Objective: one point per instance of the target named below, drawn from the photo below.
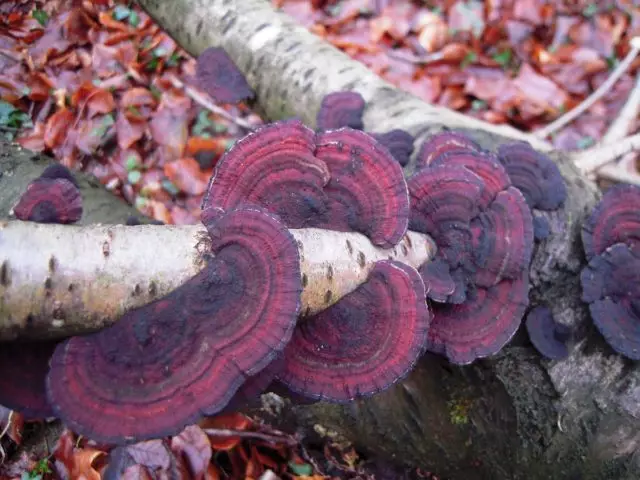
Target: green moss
(459, 411)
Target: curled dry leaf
(194, 445)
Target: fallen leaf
(185, 173)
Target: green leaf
(152, 65)
(141, 202)
(173, 59)
(585, 142)
(134, 110)
(132, 162)
(134, 176)
(301, 469)
(468, 59)
(170, 187)
(134, 19)
(6, 109)
(590, 10)
(41, 16)
(121, 12)
(159, 52)
(478, 104)
(503, 58)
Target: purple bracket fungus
(341, 109)
(340, 180)
(441, 143)
(53, 197)
(218, 75)
(438, 282)
(24, 368)
(616, 219)
(611, 287)
(364, 343)
(398, 142)
(547, 336)
(534, 174)
(163, 365)
(482, 325)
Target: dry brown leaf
(194, 445)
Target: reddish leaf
(57, 126)
(185, 173)
(128, 132)
(151, 453)
(194, 444)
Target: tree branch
(61, 280)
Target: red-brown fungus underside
(482, 325)
(367, 191)
(51, 198)
(534, 174)
(340, 180)
(365, 342)
(611, 287)
(219, 76)
(442, 143)
(616, 219)
(164, 364)
(24, 368)
(273, 168)
(502, 239)
(341, 109)
(398, 142)
(548, 336)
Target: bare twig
(223, 432)
(618, 174)
(591, 159)
(609, 148)
(417, 60)
(595, 96)
(204, 102)
(10, 55)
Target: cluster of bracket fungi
(227, 333)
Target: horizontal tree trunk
(62, 280)
(512, 416)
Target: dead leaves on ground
(95, 78)
(196, 453)
(523, 62)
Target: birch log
(62, 280)
(523, 417)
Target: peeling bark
(61, 280)
(525, 417)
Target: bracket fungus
(616, 219)
(441, 143)
(482, 325)
(364, 343)
(340, 180)
(547, 336)
(611, 287)
(164, 364)
(24, 368)
(398, 142)
(463, 197)
(218, 75)
(341, 109)
(53, 197)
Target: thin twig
(204, 102)
(9, 55)
(269, 475)
(223, 432)
(414, 59)
(595, 96)
(608, 149)
(591, 159)
(618, 174)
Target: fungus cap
(548, 336)
(437, 279)
(611, 287)
(364, 343)
(441, 143)
(482, 325)
(341, 109)
(53, 197)
(164, 364)
(24, 368)
(367, 191)
(534, 174)
(218, 75)
(273, 168)
(398, 142)
(616, 219)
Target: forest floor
(101, 88)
